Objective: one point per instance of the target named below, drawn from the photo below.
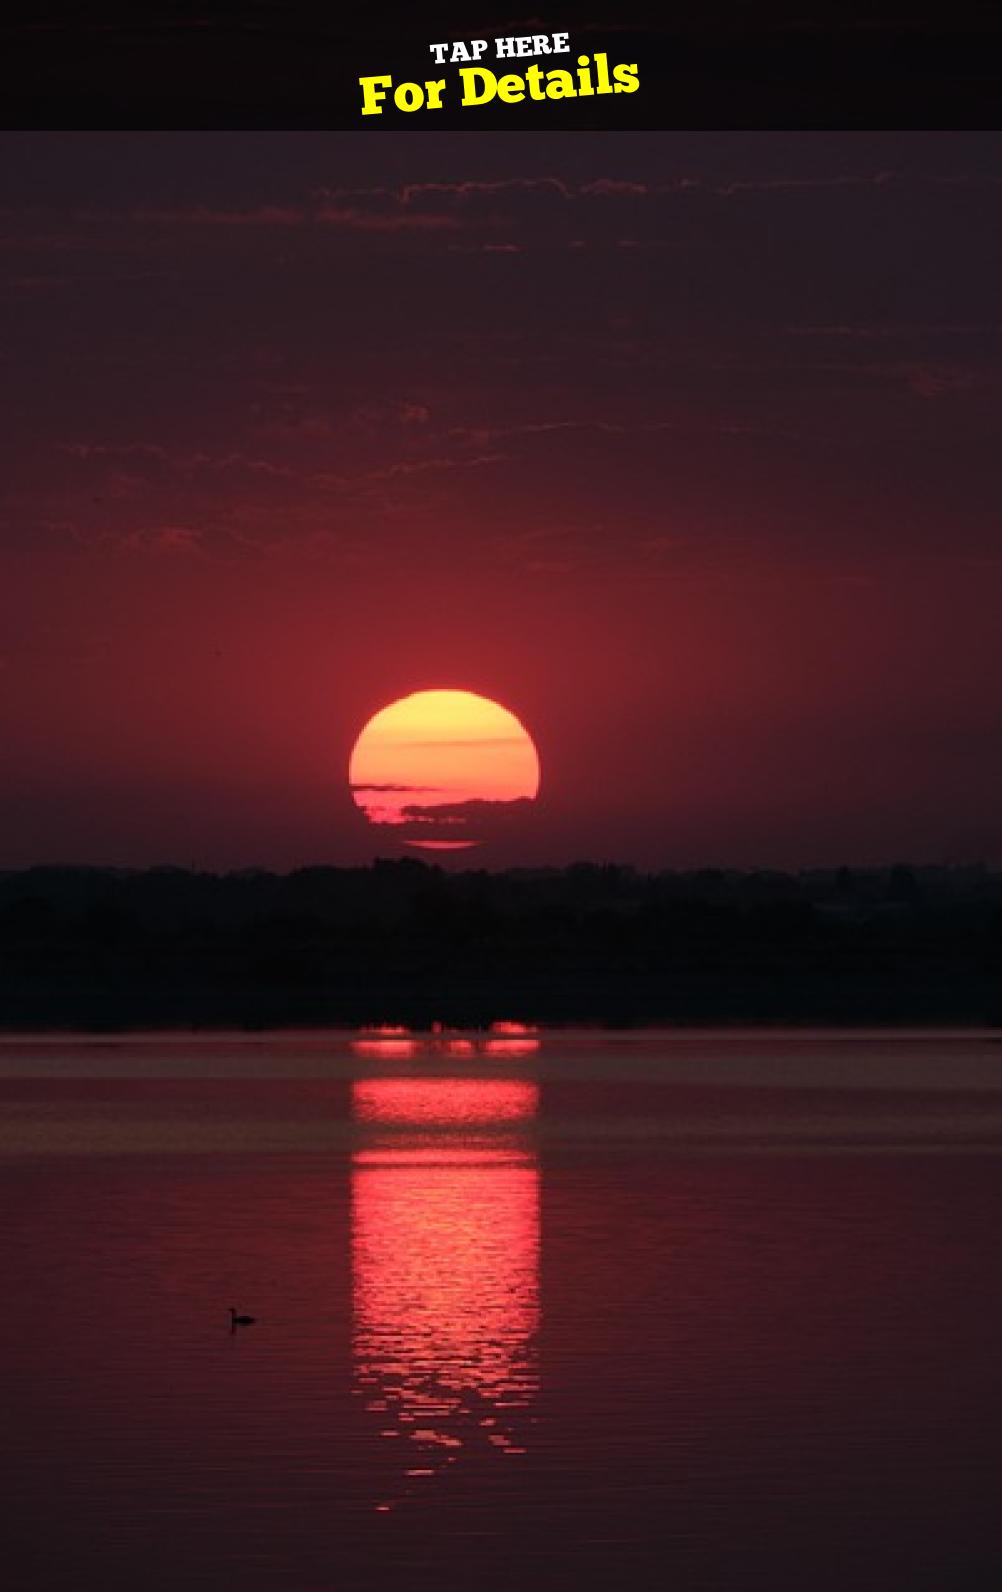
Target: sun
(444, 770)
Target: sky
(682, 447)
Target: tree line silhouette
(405, 941)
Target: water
(653, 1311)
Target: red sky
(683, 447)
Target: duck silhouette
(238, 1320)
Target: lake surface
(574, 1310)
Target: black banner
(272, 63)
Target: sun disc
(444, 770)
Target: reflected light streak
(389, 1043)
(511, 1039)
(385, 1049)
(390, 1154)
(443, 1102)
(445, 1269)
(510, 1047)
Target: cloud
(395, 787)
(375, 221)
(553, 186)
(391, 217)
(470, 204)
(483, 436)
(772, 185)
(170, 539)
(405, 467)
(204, 216)
(901, 329)
(114, 450)
(476, 814)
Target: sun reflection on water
(391, 1043)
(445, 1262)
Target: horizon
(438, 862)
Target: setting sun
(444, 769)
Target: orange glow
(444, 845)
(443, 769)
(445, 1267)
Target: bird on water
(238, 1320)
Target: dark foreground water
(681, 1312)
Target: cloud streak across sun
(468, 753)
